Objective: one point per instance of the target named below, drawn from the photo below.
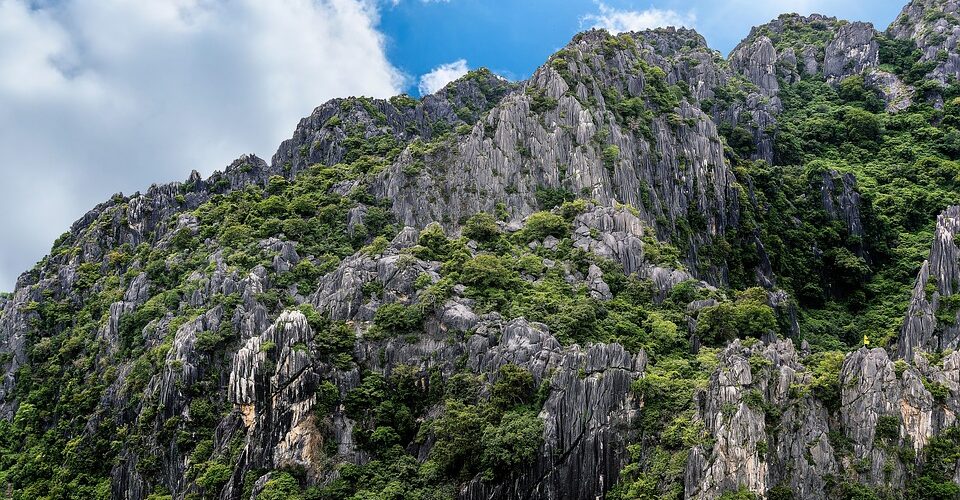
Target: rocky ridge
(583, 124)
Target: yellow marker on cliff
(866, 341)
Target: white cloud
(442, 75)
(101, 96)
(397, 2)
(618, 21)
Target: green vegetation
(610, 155)
(796, 33)
(849, 284)
(470, 437)
(539, 100)
(63, 443)
(936, 477)
(748, 316)
(395, 319)
(888, 428)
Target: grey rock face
(14, 328)
(924, 328)
(325, 136)
(757, 61)
(518, 147)
(589, 414)
(853, 50)
(869, 389)
(831, 48)
(611, 233)
(804, 457)
(766, 434)
(737, 428)
(140, 218)
(935, 27)
(341, 294)
(810, 64)
(897, 96)
(749, 452)
(841, 200)
(272, 383)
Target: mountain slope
(646, 272)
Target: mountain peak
(645, 272)
(934, 27)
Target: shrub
(754, 400)
(936, 481)
(939, 391)
(747, 317)
(457, 448)
(947, 310)
(780, 492)
(826, 377)
(481, 227)
(888, 428)
(853, 89)
(433, 244)
(463, 387)
(632, 110)
(542, 224)
(214, 476)
(487, 272)
(382, 439)
(740, 494)
(758, 363)
(513, 442)
(548, 198)
(208, 340)
(610, 155)
(280, 486)
(395, 319)
(684, 432)
(762, 448)
(739, 139)
(377, 246)
(236, 236)
(327, 398)
(514, 386)
(900, 366)
(540, 101)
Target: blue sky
(106, 96)
(514, 37)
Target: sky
(105, 96)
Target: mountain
(648, 271)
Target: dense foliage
(41, 455)
(904, 164)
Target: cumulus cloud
(101, 96)
(442, 75)
(618, 21)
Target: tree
(280, 486)
(481, 227)
(457, 450)
(542, 224)
(513, 387)
(513, 442)
(395, 319)
(747, 317)
(434, 244)
(487, 272)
